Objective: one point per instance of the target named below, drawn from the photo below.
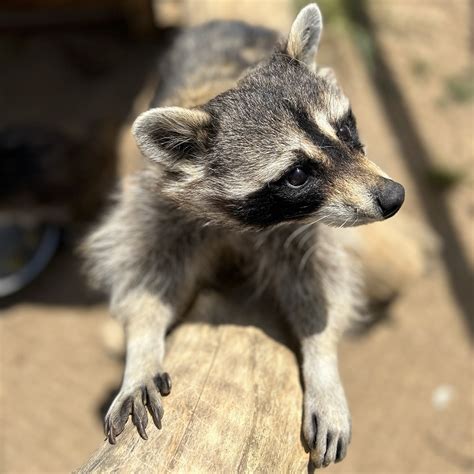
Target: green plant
(460, 88)
(444, 178)
(420, 68)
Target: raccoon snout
(389, 197)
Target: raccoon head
(281, 146)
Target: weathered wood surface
(236, 400)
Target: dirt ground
(409, 379)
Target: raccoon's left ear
(305, 34)
(171, 132)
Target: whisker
(306, 256)
(344, 223)
(309, 232)
(295, 234)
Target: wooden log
(236, 401)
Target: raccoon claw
(135, 402)
(327, 445)
(114, 425)
(163, 382)
(327, 430)
(112, 430)
(140, 417)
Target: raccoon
(251, 150)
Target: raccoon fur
(252, 151)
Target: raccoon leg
(146, 319)
(326, 417)
(318, 304)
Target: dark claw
(155, 409)
(142, 432)
(138, 404)
(318, 463)
(140, 428)
(111, 433)
(140, 419)
(327, 461)
(163, 382)
(341, 451)
(155, 416)
(315, 424)
(329, 438)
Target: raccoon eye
(345, 133)
(297, 177)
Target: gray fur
(216, 185)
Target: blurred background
(73, 77)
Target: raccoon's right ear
(305, 34)
(171, 132)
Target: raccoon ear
(176, 131)
(328, 74)
(305, 33)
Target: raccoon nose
(390, 197)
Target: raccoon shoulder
(136, 237)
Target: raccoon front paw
(326, 428)
(135, 401)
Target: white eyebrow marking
(325, 127)
(337, 108)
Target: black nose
(390, 197)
